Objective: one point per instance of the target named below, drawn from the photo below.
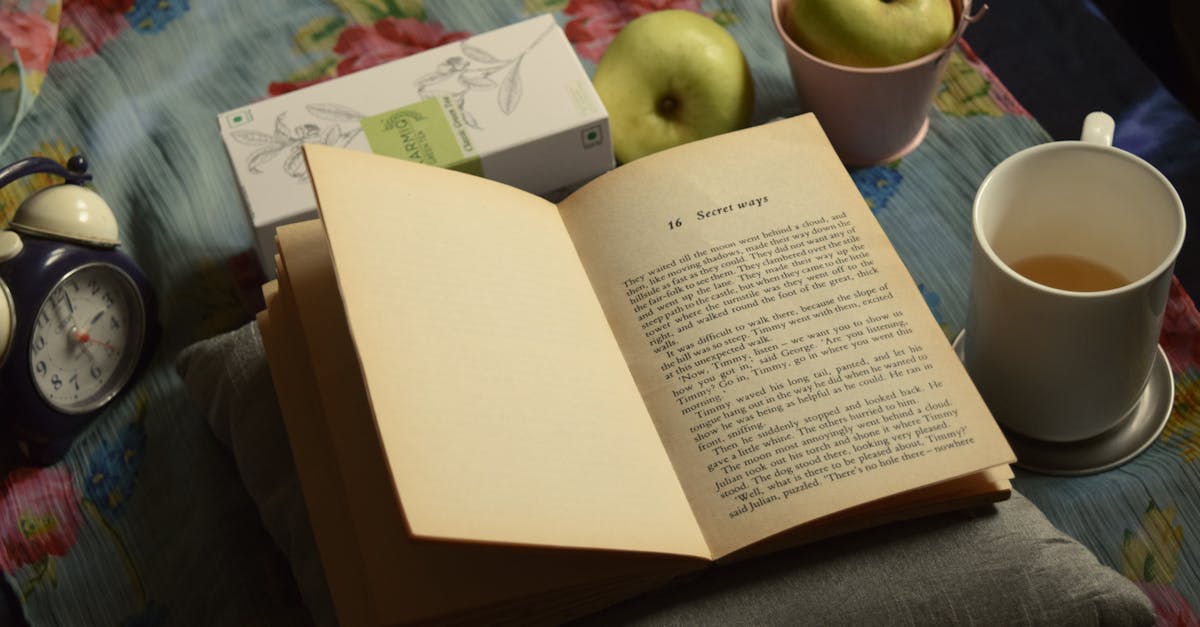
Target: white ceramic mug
(1060, 365)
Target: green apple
(871, 33)
(671, 77)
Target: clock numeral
(41, 368)
(96, 372)
(38, 344)
(56, 381)
(93, 286)
(61, 296)
(114, 323)
(74, 380)
(108, 299)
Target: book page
(789, 362)
(504, 406)
(377, 573)
(326, 496)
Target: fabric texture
(1009, 566)
(1005, 565)
(228, 378)
(29, 31)
(148, 519)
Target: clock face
(87, 336)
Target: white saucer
(1135, 433)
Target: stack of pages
(506, 409)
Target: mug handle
(1098, 128)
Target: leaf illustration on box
(334, 112)
(457, 77)
(287, 140)
(479, 54)
(510, 90)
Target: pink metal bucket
(871, 115)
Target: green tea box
(513, 104)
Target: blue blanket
(146, 520)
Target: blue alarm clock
(78, 318)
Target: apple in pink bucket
(876, 111)
(871, 33)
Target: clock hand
(82, 337)
(86, 338)
(65, 319)
(58, 302)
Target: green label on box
(431, 131)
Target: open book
(504, 408)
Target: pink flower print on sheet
(39, 516)
(1180, 334)
(594, 23)
(366, 45)
(31, 35)
(1180, 338)
(1170, 606)
(391, 38)
(86, 25)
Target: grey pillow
(1004, 565)
(1001, 565)
(228, 377)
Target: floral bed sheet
(146, 521)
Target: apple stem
(667, 105)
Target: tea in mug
(1068, 272)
